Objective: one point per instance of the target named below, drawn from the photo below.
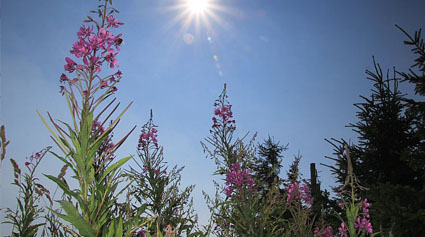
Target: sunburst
(200, 14)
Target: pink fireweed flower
(363, 220)
(342, 230)
(63, 78)
(70, 65)
(84, 31)
(148, 136)
(363, 224)
(103, 84)
(112, 22)
(238, 179)
(79, 49)
(110, 57)
(103, 35)
(326, 232)
(224, 114)
(62, 90)
(80, 67)
(297, 193)
(365, 208)
(118, 74)
(341, 204)
(292, 191)
(93, 62)
(94, 42)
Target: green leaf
(70, 165)
(118, 230)
(65, 189)
(114, 167)
(74, 217)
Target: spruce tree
(389, 156)
(268, 164)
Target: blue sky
(293, 70)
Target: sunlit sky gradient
(293, 71)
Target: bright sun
(197, 6)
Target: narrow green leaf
(74, 217)
(118, 230)
(114, 167)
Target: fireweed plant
(89, 208)
(155, 188)
(357, 218)
(30, 193)
(238, 208)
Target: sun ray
(199, 14)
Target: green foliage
(30, 192)
(389, 158)
(156, 189)
(90, 207)
(244, 210)
(268, 164)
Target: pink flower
(27, 163)
(79, 49)
(80, 67)
(342, 230)
(103, 84)
(295, 192)
(110, 57)
(112, 22)
(224, 113)
(148, 135)
(238, 179)
(84, 32)
(326, 232)
(362, 221)
(94, 42)
(70, 65)
(292, 191)
(63, 78)
(62, 90)
(363, 225)
(118, 74)
(103, 35)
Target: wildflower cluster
(223, 114)
(32, 158)
(238, 178)
(94, 47)
(363, 220)
(343, 230)
(148, 136)
(297, 193)
(30, 193)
